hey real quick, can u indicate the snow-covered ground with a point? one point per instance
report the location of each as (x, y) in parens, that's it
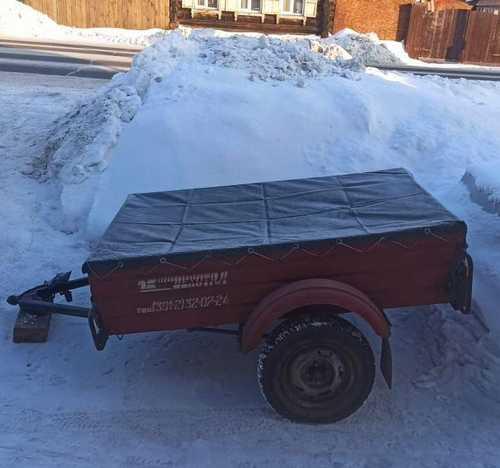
(19, 20)
(208, 108)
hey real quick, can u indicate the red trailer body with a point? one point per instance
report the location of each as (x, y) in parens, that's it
(208, 257)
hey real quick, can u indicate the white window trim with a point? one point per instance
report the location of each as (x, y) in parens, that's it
(249, 10)
(198, 9)
(205, 8)
(289, 13)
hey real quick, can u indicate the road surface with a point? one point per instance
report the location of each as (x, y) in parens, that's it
(65, 59)
(453, 72)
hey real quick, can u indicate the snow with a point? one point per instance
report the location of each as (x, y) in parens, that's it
(367, 48)
(81, 142)
(486, 178)
(358, 122)
(208, 108)
(19, 20)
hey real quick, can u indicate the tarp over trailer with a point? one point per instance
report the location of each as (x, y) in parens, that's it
(188, 224)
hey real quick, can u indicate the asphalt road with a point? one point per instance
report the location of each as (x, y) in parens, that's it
(64, 59)
(453, 72)
(103, 61)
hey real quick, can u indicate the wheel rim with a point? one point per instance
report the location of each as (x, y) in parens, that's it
(315, 376)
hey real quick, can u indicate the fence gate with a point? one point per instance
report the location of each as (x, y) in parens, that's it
(482, 39)
(439, 35)
(455, 35)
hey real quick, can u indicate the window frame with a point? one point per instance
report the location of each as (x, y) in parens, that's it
(205, 5)
(250, 10)
(283, 12)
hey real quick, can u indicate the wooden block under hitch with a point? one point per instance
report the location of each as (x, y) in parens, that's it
(30, 328)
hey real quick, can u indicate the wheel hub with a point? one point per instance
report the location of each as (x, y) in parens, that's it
(317, 373)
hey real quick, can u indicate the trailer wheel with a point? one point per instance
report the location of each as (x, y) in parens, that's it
(316, 369)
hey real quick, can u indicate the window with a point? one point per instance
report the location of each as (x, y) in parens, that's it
(293, 7)
(253, 5)
(207, 3)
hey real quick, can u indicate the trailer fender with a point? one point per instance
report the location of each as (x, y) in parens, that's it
(308, 293)
(318, 292)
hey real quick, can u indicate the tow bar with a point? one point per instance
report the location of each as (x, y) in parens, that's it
(39, 301)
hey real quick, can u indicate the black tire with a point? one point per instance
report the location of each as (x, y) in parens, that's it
(316, 368)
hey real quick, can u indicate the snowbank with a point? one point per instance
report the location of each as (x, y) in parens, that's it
(274, 58)
(208, 98)
(486, 177)
(240, 131)
(81, 143)
(19, 20)
(483, 183)
(368, 49)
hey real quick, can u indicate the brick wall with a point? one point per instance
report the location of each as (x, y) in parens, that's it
(389, 19)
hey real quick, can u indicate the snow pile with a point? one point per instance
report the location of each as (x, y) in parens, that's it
(483, 180)
(80, 144)
(259, 94)
(242, 131)
(19, 20)
(487, 177)
(462, 351)
(115, 36)
(368, 49)
(268, 58)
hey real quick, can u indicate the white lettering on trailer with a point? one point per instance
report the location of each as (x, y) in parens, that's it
(185, 303)
(170, 283)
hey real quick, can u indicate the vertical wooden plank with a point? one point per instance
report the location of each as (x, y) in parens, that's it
(489, 49)
(470, 26)
(415, 37)
(495, 50)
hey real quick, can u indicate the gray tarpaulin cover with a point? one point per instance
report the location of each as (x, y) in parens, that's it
(270, 214)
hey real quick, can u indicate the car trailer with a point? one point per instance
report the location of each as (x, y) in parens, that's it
(286, 263)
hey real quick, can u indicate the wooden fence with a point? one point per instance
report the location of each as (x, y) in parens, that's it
(482, 38)
(130, 14)
(456, 35)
